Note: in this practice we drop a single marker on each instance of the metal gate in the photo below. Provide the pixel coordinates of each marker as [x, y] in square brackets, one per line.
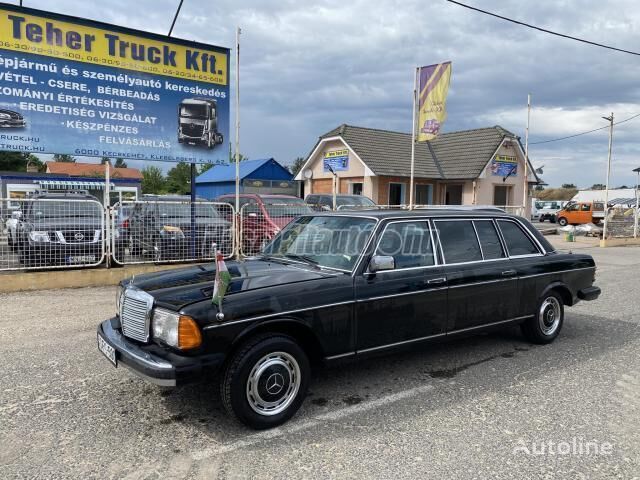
[38, 233]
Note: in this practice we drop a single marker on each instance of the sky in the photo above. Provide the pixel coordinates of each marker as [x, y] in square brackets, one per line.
[307, 67]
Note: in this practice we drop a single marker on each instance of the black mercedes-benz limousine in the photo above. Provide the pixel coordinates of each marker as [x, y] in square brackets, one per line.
[335, 286]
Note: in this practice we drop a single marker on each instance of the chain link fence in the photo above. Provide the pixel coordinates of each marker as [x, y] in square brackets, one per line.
[51, 233]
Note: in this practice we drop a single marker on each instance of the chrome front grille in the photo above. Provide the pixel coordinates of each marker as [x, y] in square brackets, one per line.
[135, 312]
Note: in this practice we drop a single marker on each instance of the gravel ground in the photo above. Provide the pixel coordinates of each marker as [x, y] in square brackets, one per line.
[482, 407]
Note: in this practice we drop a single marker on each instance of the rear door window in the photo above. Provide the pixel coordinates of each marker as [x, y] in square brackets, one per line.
[458, 241]
[516, 240]
[489, 240]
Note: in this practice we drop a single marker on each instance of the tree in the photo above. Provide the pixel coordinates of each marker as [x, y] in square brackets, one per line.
[63, 157]
[17, 162]
[153, 180]
[598, 186]
[179, 179]
[105, 160]
[297, 164]
[120, 163]
[568, 185]
[539, 188]
[232, 157]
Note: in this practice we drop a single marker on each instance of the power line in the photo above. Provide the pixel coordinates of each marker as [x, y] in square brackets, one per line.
[544, 29]
[584, 133]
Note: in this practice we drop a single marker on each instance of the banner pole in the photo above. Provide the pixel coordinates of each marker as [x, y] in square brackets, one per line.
[237, 147]
[413, 139]
[525, 194]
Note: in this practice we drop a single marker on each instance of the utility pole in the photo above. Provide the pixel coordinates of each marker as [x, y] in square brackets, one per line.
[637, 212]
[525, 194]
[606, 193]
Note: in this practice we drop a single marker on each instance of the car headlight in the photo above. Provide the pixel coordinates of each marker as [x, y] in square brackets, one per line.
[172, 231]
[175, 330]
[119, 294]
[38, 236]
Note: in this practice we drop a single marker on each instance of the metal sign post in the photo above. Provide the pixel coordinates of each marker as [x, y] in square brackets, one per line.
[637, 212]
[606, 193]
[413, 138]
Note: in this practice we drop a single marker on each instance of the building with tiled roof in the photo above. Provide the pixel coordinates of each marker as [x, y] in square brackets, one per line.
[483, 166]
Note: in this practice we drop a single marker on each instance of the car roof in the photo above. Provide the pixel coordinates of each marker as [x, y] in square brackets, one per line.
[422, 212]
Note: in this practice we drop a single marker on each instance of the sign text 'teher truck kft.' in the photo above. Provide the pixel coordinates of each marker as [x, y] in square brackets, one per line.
[88, 88]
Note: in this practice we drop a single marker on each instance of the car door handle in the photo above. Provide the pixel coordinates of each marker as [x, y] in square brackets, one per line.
[436, 281]
[509, 273]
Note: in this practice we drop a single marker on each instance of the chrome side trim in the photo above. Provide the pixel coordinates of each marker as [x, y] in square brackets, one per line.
[558, 271]
[403, 294]
[278, 314]
[404, 342]
[342, 355]
[483, 283]
[484, 325]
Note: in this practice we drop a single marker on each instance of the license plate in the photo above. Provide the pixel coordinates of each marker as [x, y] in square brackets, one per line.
[107, 350]
[81, 259]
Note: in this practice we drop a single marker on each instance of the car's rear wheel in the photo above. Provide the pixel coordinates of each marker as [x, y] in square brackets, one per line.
[545, 326]
[563, 222]
[265, 381]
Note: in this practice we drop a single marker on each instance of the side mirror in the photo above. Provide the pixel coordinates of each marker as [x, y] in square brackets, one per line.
[380, 263]
[17, 214]
[252, 215]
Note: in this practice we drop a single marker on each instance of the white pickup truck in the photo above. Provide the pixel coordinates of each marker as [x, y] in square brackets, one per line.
[547, 210]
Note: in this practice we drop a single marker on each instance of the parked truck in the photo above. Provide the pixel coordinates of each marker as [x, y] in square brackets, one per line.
[579, 213]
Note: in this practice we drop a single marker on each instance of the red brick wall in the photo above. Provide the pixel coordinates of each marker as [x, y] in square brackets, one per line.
[383, 188]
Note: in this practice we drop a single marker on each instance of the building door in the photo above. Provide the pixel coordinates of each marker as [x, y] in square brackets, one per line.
[396, 193]
[424, 195]
[453, 195]
[356, 188]
[501, 195]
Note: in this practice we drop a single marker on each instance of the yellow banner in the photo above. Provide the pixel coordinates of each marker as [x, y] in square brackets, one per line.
[81, 42]
[432, 98]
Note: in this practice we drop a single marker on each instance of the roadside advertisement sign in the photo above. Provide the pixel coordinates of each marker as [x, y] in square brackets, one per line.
[432, 100]
[74, 86]
[337, 159]
[504, 166]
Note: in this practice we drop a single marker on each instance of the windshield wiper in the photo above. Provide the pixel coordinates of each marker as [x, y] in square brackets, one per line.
[302, 258]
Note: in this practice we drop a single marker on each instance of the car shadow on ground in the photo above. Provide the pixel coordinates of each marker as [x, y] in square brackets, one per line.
[473, 365]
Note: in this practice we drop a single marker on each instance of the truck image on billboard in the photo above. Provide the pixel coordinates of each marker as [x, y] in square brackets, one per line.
[74, 86]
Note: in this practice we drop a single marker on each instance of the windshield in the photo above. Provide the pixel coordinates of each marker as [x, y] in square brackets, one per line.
[65, 209]
[332, 242]
[193, 111]
[176, 210]
[285, 207]
[356, 200]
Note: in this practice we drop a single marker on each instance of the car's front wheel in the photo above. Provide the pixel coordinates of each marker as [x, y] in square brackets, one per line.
[545, 326]
[265, 381]
[563, 222]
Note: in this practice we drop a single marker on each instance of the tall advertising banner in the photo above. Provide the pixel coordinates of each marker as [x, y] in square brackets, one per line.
[74, 86]
[432, 98]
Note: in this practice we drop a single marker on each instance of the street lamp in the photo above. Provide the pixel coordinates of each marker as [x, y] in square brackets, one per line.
[606, 193]
[635, 217]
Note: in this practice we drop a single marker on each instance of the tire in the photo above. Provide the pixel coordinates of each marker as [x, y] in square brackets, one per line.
[545, 326]
[259, 367]
[563, 222]
[553, 219]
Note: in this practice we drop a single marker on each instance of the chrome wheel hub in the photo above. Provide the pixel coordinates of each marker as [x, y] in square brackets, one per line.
[273, 383]
[549, 315]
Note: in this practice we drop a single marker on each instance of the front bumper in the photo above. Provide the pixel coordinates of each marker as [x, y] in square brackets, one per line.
[589, 293]
[12, 123]
[47, 253]
[154, 364]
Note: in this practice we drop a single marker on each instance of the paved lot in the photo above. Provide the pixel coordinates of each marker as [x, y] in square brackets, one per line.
[466, 409]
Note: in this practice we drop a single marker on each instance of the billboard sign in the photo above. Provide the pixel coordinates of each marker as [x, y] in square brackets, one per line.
[504, 166]
[337, 159]
[74, 86]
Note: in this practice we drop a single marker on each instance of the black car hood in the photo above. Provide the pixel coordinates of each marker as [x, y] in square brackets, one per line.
[178, 288]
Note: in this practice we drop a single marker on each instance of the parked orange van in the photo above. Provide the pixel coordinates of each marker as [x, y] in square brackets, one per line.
[579, 213]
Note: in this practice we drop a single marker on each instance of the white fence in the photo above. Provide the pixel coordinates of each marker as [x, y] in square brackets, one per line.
[79, 232]
[51, 233]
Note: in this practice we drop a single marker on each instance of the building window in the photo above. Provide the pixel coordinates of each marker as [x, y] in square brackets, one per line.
[501, 195]
[423, 195]
[355, 188]
[396, 193]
